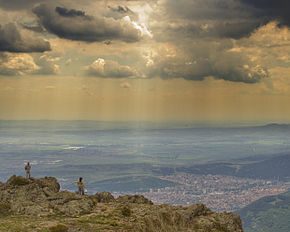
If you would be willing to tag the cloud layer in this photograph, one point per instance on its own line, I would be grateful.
(226, 18)
(110, 69)
(210, 62)
(17, 64)
(17, 4)
(189, 39)
(273, 10)
(11, 40)
(76, 25)
(201, 38)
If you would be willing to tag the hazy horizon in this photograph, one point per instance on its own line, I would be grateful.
(143, 124)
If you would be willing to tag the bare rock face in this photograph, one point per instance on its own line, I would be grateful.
(41, 197)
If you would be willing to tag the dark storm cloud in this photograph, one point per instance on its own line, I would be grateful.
(69, 13)
(36, 28)
(228, 68)
(76, 25)
(199, 35)
(222, 18)
(234, 30)
(205, 59)
(11, 40)
(227, 18)
(206, 9)
(271, 9)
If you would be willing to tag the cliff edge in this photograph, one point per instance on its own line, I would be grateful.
(39, 205)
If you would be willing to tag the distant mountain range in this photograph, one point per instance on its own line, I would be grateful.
(268, 214)
(274, 126)
(92, 125)
(277, 125)
(273, 168)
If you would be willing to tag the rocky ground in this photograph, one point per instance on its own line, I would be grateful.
(39, 205)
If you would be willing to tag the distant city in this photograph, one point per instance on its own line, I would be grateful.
(220, 193)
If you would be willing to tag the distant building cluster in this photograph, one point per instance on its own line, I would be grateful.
(220, 193)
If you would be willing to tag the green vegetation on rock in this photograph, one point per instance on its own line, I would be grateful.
(5, 208)
(126, 211)
(269, 214)
(59, 228)
(18, 181)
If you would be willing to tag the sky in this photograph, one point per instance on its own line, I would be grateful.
(154, 60)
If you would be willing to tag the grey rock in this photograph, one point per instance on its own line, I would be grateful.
(103, 197)
(137, 199)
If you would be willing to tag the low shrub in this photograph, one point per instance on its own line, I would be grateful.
(5, 208)
(18, 181)
(59, 228)
(126, 211)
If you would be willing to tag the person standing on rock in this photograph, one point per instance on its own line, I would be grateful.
(81, 186)
(27, 169)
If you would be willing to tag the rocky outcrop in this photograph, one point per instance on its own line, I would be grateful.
(137, 199)
(193, 218)
(29, 196)
(104, 197)
(42, 197)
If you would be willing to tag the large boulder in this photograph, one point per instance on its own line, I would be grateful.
(29, 196)
(17, 181)
(137, 199)
(71, 204)
(49, 183)
(41, 196)
(103, 197)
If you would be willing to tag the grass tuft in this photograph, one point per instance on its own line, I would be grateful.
(126, 211)
(59, 228)
(5, 208)
(18, 181)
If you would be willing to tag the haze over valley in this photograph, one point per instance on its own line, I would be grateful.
(226, 168)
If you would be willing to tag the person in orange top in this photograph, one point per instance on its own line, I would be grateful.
(81, 186)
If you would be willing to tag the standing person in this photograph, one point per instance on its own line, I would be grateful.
(27, 169)
(81, 186)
